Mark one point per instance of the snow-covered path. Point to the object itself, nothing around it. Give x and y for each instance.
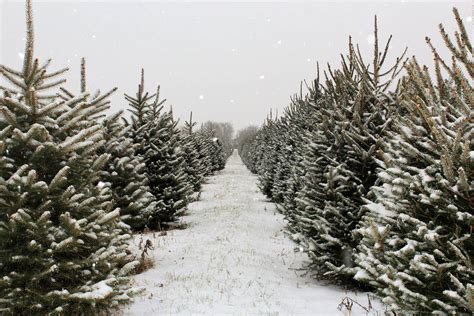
(233, 258)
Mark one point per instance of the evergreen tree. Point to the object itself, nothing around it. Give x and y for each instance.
(126, 175)
(161, 146)
(125, 172)
(268, 145)
(195, 168)
(358, 113)
(214, 149)
(63, 246)
(204, 148)
(417, 248)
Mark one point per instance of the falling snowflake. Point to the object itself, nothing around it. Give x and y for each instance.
(94, 36)
(262, 77)
(232, 101)
(469, 19)
(308, 60)
(279, 42)
(371, 39)
(21, 55)
(201, 97)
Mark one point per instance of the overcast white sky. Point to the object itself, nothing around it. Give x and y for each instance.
(223, 60)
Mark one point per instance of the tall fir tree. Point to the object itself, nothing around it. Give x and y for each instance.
(195, 167)
(63, 246)
(126, 175)
(125, 172)
(161, 146)
(355, 118)
(417, 245)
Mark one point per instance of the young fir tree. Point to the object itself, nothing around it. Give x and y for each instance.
(417, 249)
(125, 171)
(204, 149)
(214, 149)
(354, 116)
(268, 145)
(63, 246)
(195, 168)
(126, 175)
(300, 123)
(161, 146)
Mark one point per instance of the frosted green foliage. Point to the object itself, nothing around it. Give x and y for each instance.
(165, 162)
(161, 145)
(214, 148)
(63, 244)
(125, 171)
(268, 145)
(350, 117)
(417, 246)
(195, 167)
(126, 175)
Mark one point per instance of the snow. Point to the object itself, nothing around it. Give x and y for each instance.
(232, 258)
(99, 291)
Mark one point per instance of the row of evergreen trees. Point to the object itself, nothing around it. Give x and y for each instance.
(74, 185)
(376, 176)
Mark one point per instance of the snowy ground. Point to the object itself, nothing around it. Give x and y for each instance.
(233, 258)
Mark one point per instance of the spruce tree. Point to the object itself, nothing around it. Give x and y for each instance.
(63, 245)
(161, 145)
(214, 148)
(125, 173)
(417, 248)
(195, 168)
(354, 115)
(268, 146)
(205, 151)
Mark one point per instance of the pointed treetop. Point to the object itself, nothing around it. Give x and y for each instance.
(83, 75)
(28, 58)
(141, 87)
(376, 51)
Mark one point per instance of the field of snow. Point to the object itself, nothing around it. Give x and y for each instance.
(233, 258)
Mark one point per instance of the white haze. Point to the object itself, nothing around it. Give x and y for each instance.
(225, 61)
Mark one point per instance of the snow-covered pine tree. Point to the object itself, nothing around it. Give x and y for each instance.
(268, 146)
(303, 132)
(356, 113)
(214, 149)
(161, 146)
(417, 249)
(218, 154)
(245, 141)
(126, 175)
(63, 246)
(195, 168)
(204, 149)
(125, 171)
(300, 123)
